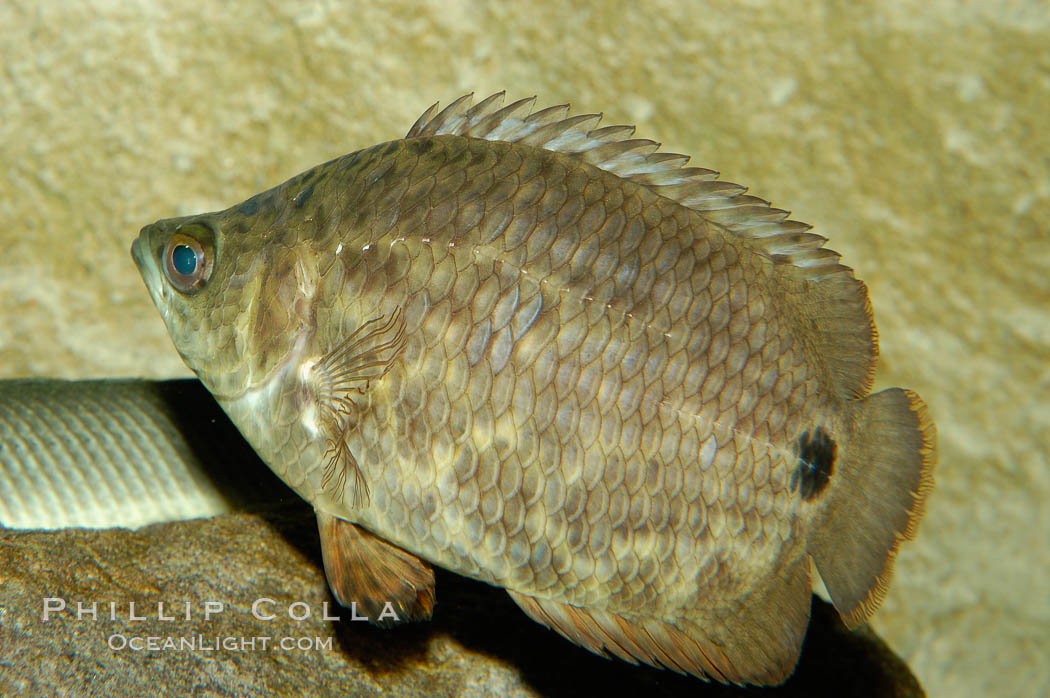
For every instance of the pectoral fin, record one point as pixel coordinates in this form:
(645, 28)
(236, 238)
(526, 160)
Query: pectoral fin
(373, 575)
(364, 356)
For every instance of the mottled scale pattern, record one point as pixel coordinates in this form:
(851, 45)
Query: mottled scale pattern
(590, 406)
(544, 355)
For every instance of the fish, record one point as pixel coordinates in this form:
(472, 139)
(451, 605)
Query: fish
(540, 353)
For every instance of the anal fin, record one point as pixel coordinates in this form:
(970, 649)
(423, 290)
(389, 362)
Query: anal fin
(370, 573)
(756, 641)
(631, 638)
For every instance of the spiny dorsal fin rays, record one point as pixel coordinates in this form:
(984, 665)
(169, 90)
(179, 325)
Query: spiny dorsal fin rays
(490, 127)
(485, 107)
(692, 178)
(609, 134)
(563, 135)
(449, 120)
(613, 149)
(624, 158)
(424, 118)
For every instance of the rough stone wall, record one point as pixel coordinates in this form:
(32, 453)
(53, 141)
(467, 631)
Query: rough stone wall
(914, 136)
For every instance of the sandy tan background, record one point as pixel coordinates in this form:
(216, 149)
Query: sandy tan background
(915, 137)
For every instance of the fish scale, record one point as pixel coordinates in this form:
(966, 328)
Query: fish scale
(583, 416)
(547, 357)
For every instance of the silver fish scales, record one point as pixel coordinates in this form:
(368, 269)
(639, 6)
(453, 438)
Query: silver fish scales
(544, 355)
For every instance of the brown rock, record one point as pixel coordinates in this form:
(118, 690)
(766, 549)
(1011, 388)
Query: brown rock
(478, 644)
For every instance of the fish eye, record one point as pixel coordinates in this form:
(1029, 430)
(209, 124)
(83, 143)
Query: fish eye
(184, 259)
(185, 263)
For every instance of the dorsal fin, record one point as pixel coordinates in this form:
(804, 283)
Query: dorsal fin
(847, 343)
(613, 149)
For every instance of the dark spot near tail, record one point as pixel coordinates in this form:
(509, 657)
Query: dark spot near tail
(816, 463)
(304, 196)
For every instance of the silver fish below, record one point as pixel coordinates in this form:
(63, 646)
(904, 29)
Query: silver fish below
(121, 453)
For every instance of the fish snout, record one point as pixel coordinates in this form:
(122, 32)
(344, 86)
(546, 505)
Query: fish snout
(140, 248)
(146, 261)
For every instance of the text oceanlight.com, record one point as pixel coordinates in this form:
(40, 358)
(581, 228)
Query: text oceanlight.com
(202, 643)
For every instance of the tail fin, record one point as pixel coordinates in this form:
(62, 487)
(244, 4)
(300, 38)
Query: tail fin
(885, 474)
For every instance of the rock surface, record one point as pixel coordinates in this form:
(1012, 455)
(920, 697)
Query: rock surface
(479, 643)
(913, 134)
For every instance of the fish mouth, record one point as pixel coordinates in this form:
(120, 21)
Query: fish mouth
(138, 249)
(140, 252)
